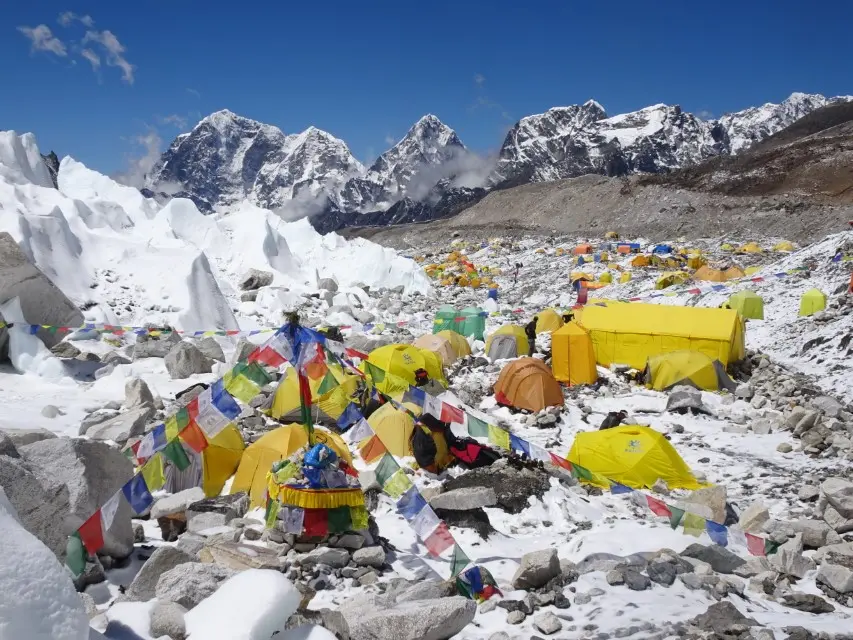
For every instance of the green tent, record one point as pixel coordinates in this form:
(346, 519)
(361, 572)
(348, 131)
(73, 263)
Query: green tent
(812, 301)
(748, 304)
(445, 319)
(468, 322)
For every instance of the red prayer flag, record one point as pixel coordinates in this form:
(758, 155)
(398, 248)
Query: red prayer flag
(194, 437)
(92, 534)
(449, 413)
(316, 523)
(754, 544)
(373, 449)
(658, 507)
(192, 408)
(353, 353)
(439, 540)
(561, 462)
(267, 356)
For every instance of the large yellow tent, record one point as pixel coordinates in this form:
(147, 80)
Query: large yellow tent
(509, 341)
(276, 445)
(716, 275)
(439, 345)
(573, 359)
(402, 360)
(692, 368)
(785, 245)
(813, 300)
(750, 247)
(748, 304)
(286, 404)
(631, 336)
(394, 429)
(548, 320)
(632, 455)
(211, 468)
(457, 341)
(695, 262)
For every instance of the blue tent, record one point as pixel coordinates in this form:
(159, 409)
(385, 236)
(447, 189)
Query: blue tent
(580, 261)
(596, 257)
(663, 248)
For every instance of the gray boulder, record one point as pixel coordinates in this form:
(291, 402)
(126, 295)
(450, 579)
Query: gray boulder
(91, 472)
(167, 619)
(255, 279)
(21, 437)
(335, 558)
(835, 520)
(115, 358)
(683, 399)
(709, 502)
(244, 348)
(420, 620)
(464, 499)
(536, 569)
(148, 346)
(164, 559)
(185, 360)
(198, 523)
(327, 284)
(191, 582)
(7, 447)
(754, 517)
(839, 494)
(121, 428)
(721, 559)
(806, 422)
(211, 349)
(806, 602)
(428, 590)
(828, 405)
(176, 503)
(369, 557)
(231, 506)
(836, 571)
(789, 558)
(547, 623)
(816, 533)
(41, 301)
(65, 350)
(723, 618)
(137, 394)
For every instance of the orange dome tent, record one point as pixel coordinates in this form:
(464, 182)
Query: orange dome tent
(527, 383)
(582, 249)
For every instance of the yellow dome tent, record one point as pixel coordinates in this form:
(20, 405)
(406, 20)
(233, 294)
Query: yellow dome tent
(632, 455)
(784, 246)
(509, 341)
(439, 345)
(402, 360)
(691, 368)
(286, 404)
(748, 304)
(715, 275)
(671, 278)
(727, 247)
(813, 300)
(457, 342)
(276, 445)
(606, 277)
(750, 247)
(625, 277)
(211, 468)
(394, 429)
(548, 320)
(640, 261)
(573, 359)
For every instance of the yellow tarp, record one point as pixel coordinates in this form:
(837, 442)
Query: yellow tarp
(573, 356)
(640, 261)
(276, 445)
(692, 368)
(630, 335)
(221, 459)
(695, 262)
(548, 320)
(813, 300)
(631, 455)
(671, 278)
(286, 402)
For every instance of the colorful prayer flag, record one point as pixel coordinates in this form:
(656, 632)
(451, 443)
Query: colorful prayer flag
(520, 445)
(477, 428)
(616, 488)
(312, 360)
(449, 413)
(108, 511)
(439, 540)
(659, 508)
(137, 494)
(294, 520)
(576, 471)
(146, 447)
(717, 532)
(350, 415)
(359, 517)
(316, 522)
(415, 395)
(411, 504)
(539, 453)
(371, 449)
(75, 554)
(92, 533)
(216, 409)
(329, 383)
(755, 545)
(359, 431)
(458, 561)
(174, 453)
(397, 484)
(693, 525)
(425, 522)
(273, 507)
(675, 516)
(194, 437)
(245, 381)
(159, 435)
(386, 468)
(498, 437)
(152, 471)
(340, 520)
(432, 405)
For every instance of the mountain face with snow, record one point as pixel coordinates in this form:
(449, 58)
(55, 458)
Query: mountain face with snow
(430, 174)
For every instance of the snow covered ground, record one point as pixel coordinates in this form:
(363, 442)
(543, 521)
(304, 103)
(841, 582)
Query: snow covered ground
(130, 261)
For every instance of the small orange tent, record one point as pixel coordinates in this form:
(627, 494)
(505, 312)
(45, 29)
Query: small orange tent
(527, 383)
(582, 249)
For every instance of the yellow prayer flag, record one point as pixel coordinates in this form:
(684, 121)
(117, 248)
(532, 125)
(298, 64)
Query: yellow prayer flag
(358, 515)
(172, 429)
(498, 437)
(693, 525)
(152, 471)
(397, 484)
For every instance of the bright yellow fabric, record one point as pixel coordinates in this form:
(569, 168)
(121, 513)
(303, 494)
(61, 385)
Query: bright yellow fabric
(695, 262)
(640, 261)
(750, 247)
(606, 277)
(784, 246)
(625, 277)
(403, 360)
(671, 278)
(276, 445)
(458, 342)
(748, 304)
(630, 334)
(433, 366)
(322, 498)
(813, 300)
(683, 367)
(286, 402)
(727, 247)
(522, 347)
(394, 429)
(632, 455)
(573, 359)
(548, 320)
(752, 270)
(220, 459)
(708, 274)
(152, 471)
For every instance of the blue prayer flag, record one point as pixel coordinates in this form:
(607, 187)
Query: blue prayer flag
(223, 401)
(517, 444)
(137, 494)
(411, 504)
(159, 434)
(718, 533)
(415, 395)
(350, 416)
(616, 488)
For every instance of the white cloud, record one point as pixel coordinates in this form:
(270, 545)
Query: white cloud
(114, 52)
(66, 18)
(193, 92)
(390, 140)
(177, 121)
(42, 39)
(705, 114)
(140, 165)
(93, 58)
(479, 79)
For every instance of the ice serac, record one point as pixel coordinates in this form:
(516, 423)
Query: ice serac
(227, 158)
(21, 162)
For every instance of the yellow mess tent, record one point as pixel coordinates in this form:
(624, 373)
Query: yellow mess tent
(632, 336)
(276, 445)
(606, 277)
(573, 356)
(640, 261)
(286, 404)
(439, 345)
(813, 300)
(211, 468)
(671, 278)
(784, 246)
(457, 342)
(666, 370)
(548, 320)
(631, 455)
(748, 304)
(402, 360)
(715, 275)
(750, 247)
(394, 429)
(509, 341)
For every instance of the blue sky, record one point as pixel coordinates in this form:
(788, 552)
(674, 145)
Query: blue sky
(109, 73)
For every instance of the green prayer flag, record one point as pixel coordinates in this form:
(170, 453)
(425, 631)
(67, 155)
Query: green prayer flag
(693, 525)
(273, 507)
(581, 473)
(675, 516)
(340, 520)
(477, 428)
(464, 589)
(75, 554)
(770, 547)
(375, 373)
(386, 468)
(183, 418)
(328, 384)
(459, 561)
(174, 453)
